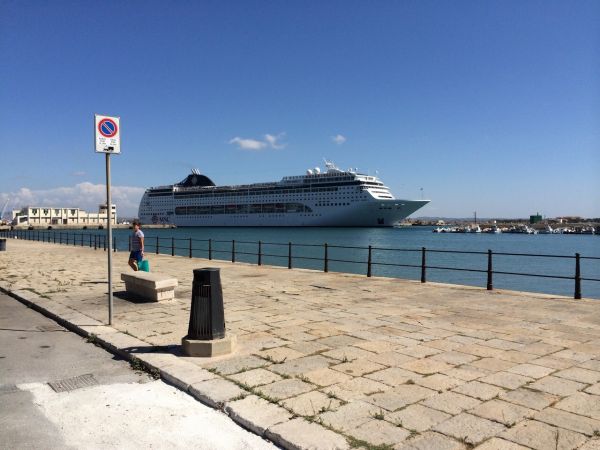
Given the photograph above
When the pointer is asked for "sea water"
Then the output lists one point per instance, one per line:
(406, 243)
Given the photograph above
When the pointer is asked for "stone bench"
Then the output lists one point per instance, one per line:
(149, 285)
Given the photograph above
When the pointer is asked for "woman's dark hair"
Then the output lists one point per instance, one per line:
(136, 222)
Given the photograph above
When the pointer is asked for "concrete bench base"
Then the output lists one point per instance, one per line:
(150, 286)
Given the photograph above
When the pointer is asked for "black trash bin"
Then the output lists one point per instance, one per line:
(2, 244)
(207, 317)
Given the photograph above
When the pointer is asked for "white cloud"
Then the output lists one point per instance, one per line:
(338, 139)
(274, 141)
(270, 140)
(79, 173)
(86, 196)
(248, 144)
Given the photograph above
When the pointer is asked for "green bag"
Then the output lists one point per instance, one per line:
(144, 265)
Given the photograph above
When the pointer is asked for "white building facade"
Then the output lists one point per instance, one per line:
(45, 215)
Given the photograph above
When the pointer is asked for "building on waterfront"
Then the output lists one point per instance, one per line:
(535, 218)
(45, 215)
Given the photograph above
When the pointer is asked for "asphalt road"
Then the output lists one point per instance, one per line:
(118, 408)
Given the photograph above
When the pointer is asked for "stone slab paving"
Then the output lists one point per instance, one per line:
(329, 360)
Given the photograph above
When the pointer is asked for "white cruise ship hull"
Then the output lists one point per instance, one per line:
(360, 215)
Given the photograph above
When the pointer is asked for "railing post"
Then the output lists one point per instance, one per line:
(54, 236)
(114, 244)
(104, 243)
(577, 277)
(157, 245)
(95, 242)
(90, 238)
(490, 284)
(233, 250)
(369, 263)
(260, 253)
(82, 240)
(210, 249)
(129, 244)
(326, 260)
(289, 255)
(190, 247)
(423, 265)
(172, 246)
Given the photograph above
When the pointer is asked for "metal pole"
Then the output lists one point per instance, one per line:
(210, 249)
(157, 245)
(490, 285)
(325, 260)
(233, 251)
(369, 263)
(423, 266)
(172, 246)
(577, 277)
(260, 253)
(289, 255)
(190, 247)
(109, 237)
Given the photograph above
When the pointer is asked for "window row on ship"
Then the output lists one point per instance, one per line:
(256, 208)
(326, 187)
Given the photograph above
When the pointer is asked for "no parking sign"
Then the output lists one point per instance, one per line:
(107, 134)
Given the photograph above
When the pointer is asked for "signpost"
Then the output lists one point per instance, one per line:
(107, 137)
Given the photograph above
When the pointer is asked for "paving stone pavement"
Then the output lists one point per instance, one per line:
(329, 360)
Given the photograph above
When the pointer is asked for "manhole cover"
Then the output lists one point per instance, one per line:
(8, 388)
(70, 384)
(50, 328)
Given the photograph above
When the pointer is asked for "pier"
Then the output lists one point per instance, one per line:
(334, 360)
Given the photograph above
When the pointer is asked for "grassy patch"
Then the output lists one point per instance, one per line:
(357, 443)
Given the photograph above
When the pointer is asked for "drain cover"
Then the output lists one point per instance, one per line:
(8, 388)
(70, 384)
(50, 328)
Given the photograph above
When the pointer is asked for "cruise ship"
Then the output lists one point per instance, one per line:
(328, 198)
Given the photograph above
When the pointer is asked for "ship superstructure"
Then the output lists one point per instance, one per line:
(332, 198)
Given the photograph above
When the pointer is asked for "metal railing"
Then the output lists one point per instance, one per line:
(215, 249)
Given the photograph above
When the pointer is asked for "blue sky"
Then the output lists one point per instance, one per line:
(489, 106)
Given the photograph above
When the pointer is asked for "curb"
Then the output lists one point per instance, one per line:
(206, 387)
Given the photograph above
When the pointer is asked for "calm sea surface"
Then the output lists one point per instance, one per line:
(406, 239)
